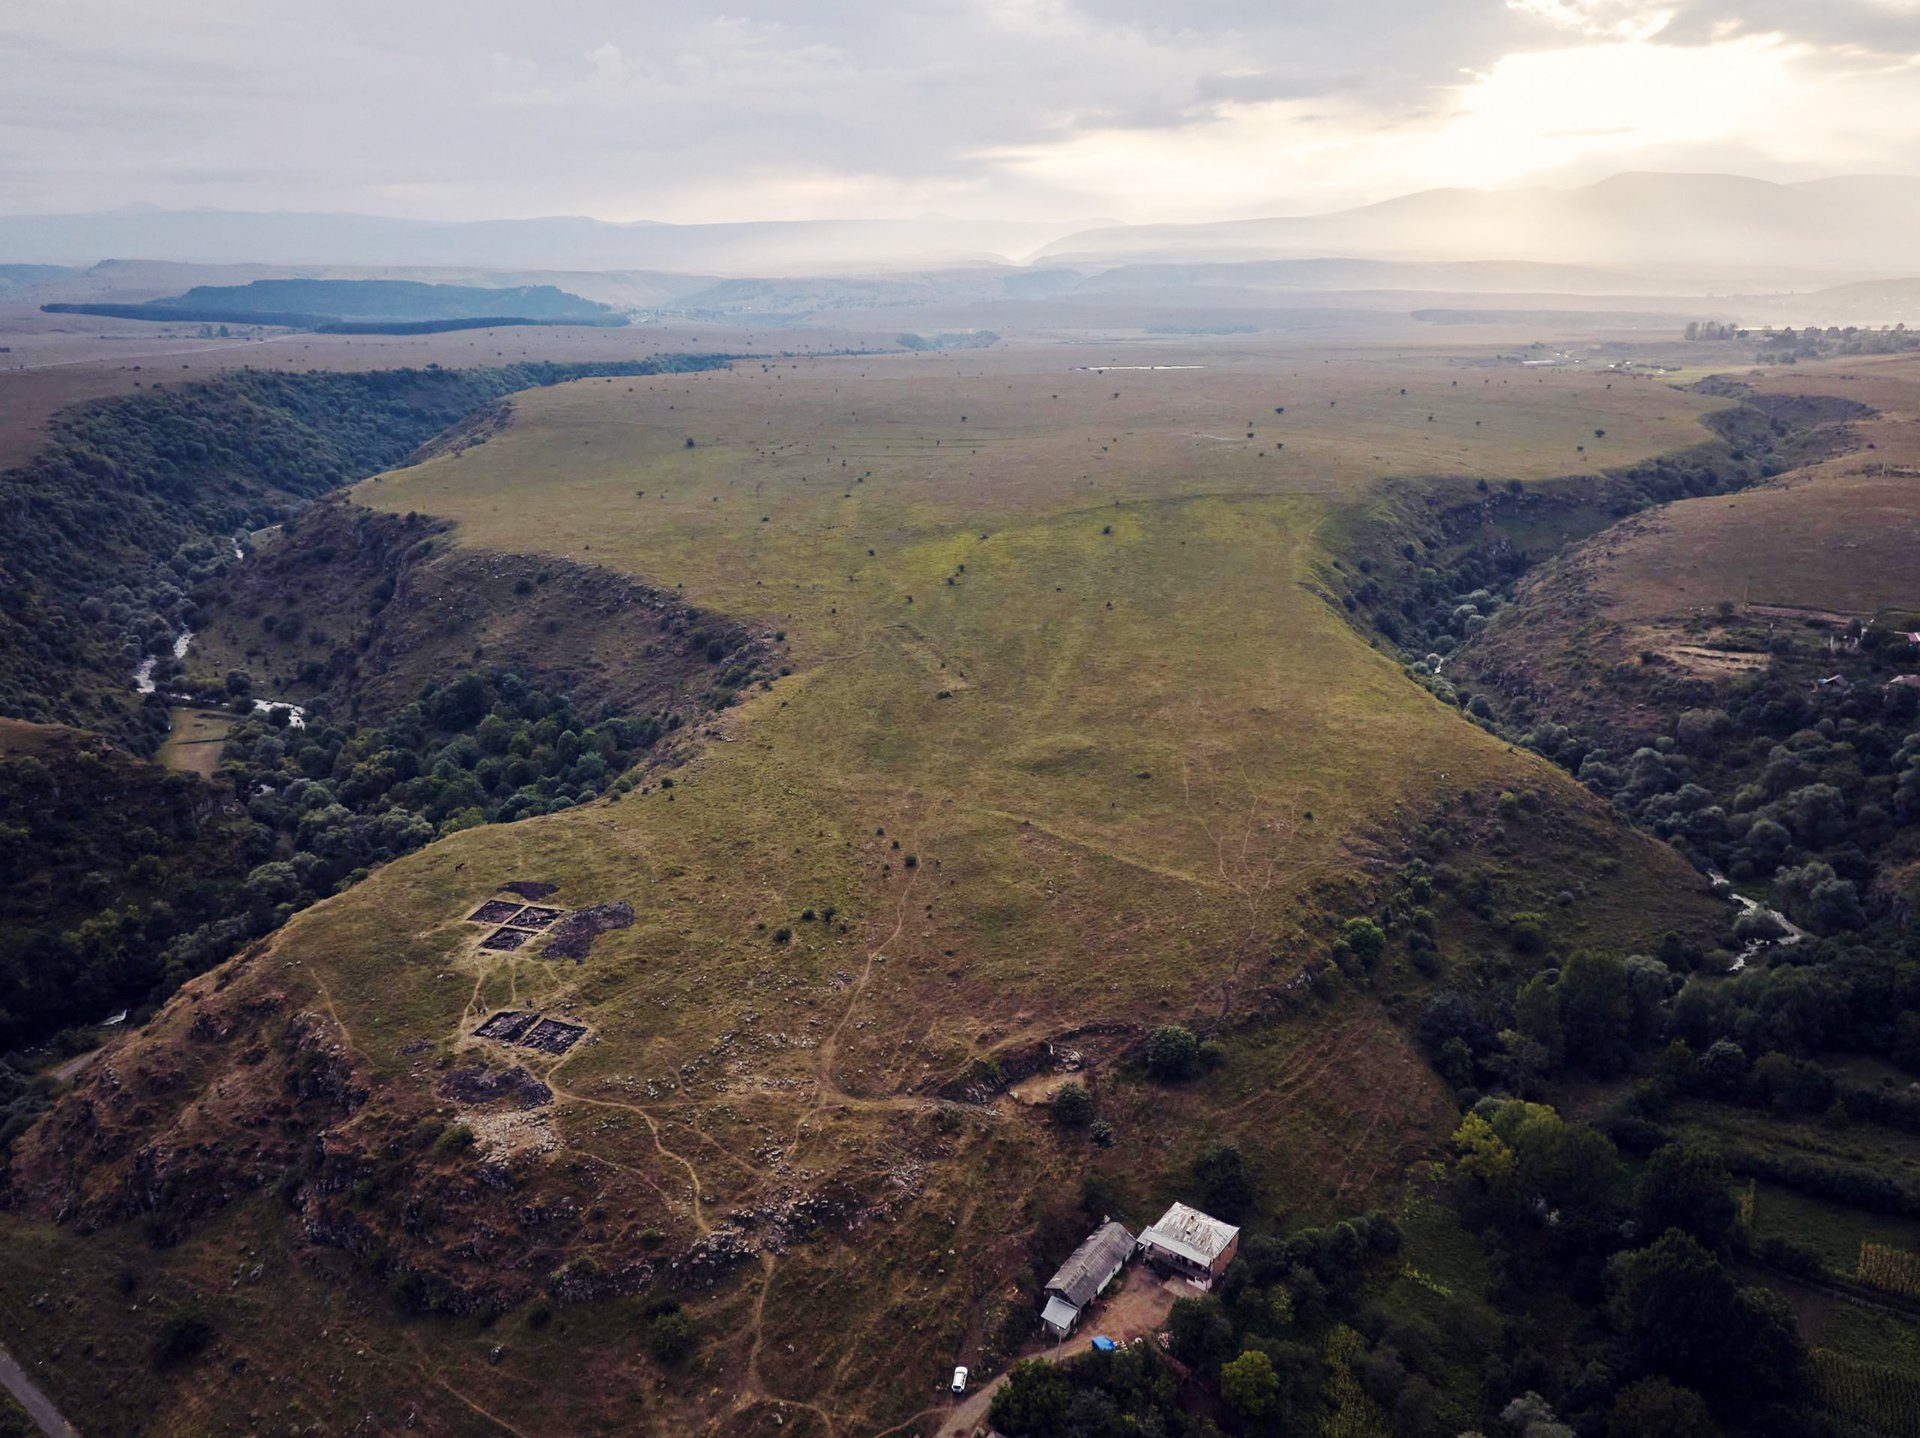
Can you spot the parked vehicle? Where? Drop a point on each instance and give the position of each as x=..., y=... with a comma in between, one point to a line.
x=960, y=1379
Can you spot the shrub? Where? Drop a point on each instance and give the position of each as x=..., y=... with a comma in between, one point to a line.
x=1527, y=932
x=670, y=1335
x=1365, y=938
x=180, y=1339
x=1072, y=1105
x=1172, y=1052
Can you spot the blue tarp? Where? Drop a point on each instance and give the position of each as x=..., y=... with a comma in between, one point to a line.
x=1105, y=1345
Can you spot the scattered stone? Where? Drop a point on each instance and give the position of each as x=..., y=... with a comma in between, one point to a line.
x=476, y=1085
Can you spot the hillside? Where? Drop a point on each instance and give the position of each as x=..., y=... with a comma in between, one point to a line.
x=1074, y=745
x=348, y=306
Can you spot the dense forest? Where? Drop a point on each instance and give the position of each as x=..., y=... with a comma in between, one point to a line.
x=136, y=504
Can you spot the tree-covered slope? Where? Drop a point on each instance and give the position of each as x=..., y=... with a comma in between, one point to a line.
x=135, y=504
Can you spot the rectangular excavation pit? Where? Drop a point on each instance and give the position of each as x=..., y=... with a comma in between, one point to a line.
x=494, y=911
x=507, y=1026
x=507, y=940
x=536, y=916
x=553, y=1036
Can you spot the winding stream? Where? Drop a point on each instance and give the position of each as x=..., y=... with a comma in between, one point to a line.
x=143, y=680
x=1793, y=932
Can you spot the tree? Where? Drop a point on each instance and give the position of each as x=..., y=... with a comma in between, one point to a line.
x=1226, y=1188
x=670, y=1335
x=1199, y=1331
x=1248, y=1384
x=1172, y=1052
x=1365, y=938
x=180, y=1339
x=1656, y=1406
x=1595, y=1012
x=1032, y=1402
x=1722, y=1070
x=1485, y=1163
x=1687, y=1188
x=458, y=705
x=1688, y=1320
x=1072, y=1105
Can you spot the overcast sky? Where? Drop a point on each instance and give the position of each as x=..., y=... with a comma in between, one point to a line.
x=1030, y=109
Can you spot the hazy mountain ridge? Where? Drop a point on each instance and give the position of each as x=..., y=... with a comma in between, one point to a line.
x=1669, y=225
x=569, y=242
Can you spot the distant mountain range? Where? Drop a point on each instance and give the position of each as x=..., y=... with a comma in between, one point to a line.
x=1689, y=228
x=1696, y=232
x=775, y=247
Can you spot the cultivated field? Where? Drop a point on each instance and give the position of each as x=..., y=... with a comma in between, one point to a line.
x=1070, y=748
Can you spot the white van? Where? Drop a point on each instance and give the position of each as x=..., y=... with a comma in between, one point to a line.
x=960, y=1379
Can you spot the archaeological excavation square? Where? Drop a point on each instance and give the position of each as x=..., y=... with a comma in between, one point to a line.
x=506, y=940
x=553, y=1036
x=507, y=1026
x=494, y=911
x=536, y=916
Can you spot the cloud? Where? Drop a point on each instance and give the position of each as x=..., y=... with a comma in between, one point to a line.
x=1603, y=19
x=1010, y=108
x=1572, y=112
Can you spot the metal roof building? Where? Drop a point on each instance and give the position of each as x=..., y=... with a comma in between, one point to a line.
x=1191, y=1243
x=1086, y=1272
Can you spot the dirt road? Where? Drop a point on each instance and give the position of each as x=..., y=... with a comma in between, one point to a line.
x=28, y=1395
x=1138, y=1308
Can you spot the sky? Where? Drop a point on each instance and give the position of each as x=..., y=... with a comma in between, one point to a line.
x=1030, y=110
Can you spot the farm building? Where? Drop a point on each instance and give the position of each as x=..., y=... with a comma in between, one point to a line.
x=1081, y=1278
x=1188, y=1242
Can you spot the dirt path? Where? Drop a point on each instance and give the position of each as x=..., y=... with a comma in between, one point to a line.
x=27, y=1394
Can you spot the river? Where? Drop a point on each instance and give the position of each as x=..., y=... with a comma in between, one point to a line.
x=143, y=681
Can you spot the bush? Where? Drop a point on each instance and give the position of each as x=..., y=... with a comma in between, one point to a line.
x=1527, y=932
x=670, y=1335
x=1365, y=938
x=1172, y=1052
x=180, y=1339
x=1226, y=1188
x=1072, y=1105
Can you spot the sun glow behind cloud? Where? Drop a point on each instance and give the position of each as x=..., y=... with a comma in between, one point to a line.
x=1005, y=109
x=1571, y=111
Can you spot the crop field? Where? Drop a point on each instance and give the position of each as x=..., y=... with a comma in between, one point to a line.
x=1070, y=748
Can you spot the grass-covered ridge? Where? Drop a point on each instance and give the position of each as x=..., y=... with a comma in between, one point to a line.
x=1072, y=749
